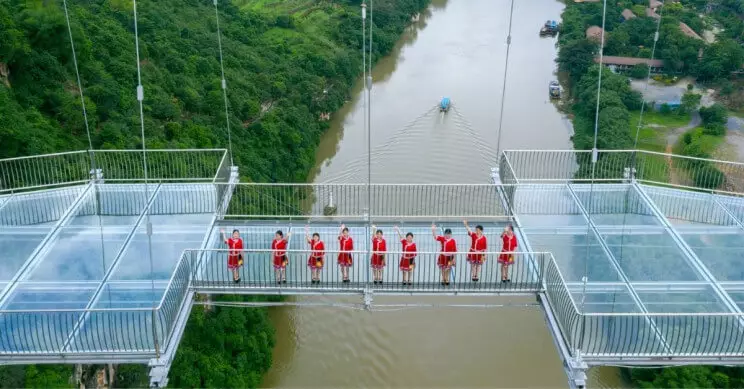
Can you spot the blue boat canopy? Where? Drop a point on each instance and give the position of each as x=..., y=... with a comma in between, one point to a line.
x=444, y=104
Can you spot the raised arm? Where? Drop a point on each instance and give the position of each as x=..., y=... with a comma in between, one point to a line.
x=307, y=234
x=374, y=229
x=467, y=227
x=397, y=231
x=341, y=230
x=224, y=239
x=434, y=231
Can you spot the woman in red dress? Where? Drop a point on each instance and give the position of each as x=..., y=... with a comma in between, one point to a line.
x=506, y=258
x=317, y=254
x=447, y=257
x=477, y=255
x=408, y=259
x=346, y=245
x=279, y=251
x=379, y=247
x=234, y=253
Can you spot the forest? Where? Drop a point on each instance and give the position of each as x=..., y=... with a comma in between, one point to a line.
x=286, y=63
x=619, y=108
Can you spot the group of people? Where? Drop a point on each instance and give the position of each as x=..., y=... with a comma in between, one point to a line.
x=445, y=261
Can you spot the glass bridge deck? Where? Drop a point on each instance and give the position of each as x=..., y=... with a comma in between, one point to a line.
x=634, y=270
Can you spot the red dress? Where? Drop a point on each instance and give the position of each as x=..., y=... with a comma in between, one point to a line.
x=235, y=247
x=280, y=253
x=345, y=244
x=447, y=257
x=379, y=247
x=317, y=256
x=409, y=254
x=507, y=249
x=477, y=248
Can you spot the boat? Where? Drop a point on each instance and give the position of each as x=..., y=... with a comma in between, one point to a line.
x=554, y=90
x=444, y=105
x=550, y=28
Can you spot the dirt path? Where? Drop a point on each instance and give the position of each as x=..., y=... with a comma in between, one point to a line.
x=673, y=135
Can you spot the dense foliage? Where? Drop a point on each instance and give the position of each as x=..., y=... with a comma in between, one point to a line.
x=224, y=347
x=285, y=64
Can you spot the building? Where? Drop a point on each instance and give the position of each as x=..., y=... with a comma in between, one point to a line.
x=689, y=31
x=594, y=33
x=619, y=64
x=628, y=14
x=651, y=13
x=655, y=4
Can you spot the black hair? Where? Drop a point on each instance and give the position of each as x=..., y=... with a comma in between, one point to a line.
x=316, y=234
x=510, y=226
x=280, y=233
x=346, y=229
x=447, y=231
x=479, y=227
x=234, y=231
x=409, y=234
x=379, y=232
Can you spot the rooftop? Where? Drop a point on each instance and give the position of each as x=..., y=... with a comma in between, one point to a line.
x=629, y=61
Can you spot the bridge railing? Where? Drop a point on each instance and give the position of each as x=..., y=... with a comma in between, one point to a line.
x=621, y=165
x=349, y=202
x=42, y=171
x=259, y=272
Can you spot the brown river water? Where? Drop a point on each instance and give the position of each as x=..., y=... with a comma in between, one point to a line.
x=457, y=49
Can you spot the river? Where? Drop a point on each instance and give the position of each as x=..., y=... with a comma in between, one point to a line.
x=456, y=49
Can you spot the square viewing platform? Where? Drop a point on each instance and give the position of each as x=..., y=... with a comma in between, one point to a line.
x=77, y=231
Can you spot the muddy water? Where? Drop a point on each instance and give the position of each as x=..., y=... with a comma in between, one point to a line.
x=455, y=49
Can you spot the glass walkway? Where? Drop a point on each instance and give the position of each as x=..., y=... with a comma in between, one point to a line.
x=641, y=265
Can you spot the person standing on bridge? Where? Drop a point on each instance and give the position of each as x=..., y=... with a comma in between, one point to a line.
x=234, y=253
x=279, y=251
x=379, y=247
x=317, y=254
x=506, y=258
x=477, y=255
x=346, y=245
x=447, y=256
x=408, y=259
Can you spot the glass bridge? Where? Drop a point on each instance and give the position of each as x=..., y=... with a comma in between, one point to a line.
x=641, y=265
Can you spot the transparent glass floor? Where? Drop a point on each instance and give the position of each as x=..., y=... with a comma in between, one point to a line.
x=625, y=252
x=649, y=257
x=87, y=247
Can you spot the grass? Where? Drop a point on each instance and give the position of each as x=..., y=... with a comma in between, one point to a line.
x=655, y=127
x=709, y=144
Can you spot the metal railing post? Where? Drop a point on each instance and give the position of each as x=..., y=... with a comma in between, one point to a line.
x=155, y=333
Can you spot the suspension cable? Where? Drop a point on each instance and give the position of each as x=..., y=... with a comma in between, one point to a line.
x=645, y=87
x=503, y=88
x=80, y=85
x=595, y=156
x=141, y=98
x=223, y=82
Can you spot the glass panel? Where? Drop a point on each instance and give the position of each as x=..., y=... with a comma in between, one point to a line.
x=574, y=258
x=649, y=256
x=546, y=206
x=721, y=253
x=614, y=205
x=617, y=301
x=682, y=301
x=171, y=235
x=685, y=207
x=87, y=245
x=737, y=296
x=129, y=295
x=26, y=220
x=41, y=331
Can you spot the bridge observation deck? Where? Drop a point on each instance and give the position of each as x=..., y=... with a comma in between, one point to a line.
x=640, y=266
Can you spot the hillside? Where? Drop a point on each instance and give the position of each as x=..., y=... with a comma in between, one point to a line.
x=286, y=63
